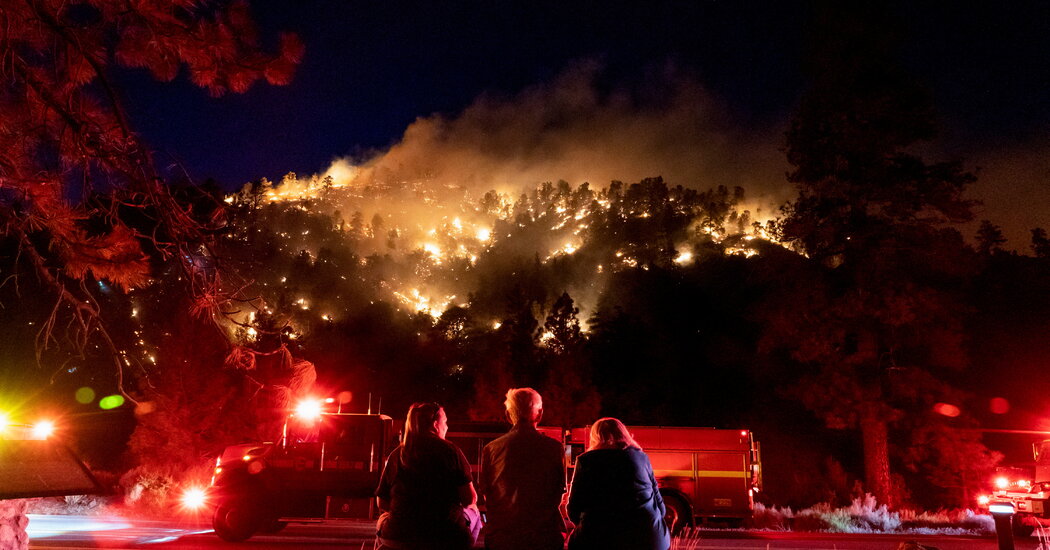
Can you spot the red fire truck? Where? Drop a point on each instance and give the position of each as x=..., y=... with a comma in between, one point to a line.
x=704, y=474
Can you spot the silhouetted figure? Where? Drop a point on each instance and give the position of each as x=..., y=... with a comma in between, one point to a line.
x=522, y=480
x=614, y=500
x=426, y=489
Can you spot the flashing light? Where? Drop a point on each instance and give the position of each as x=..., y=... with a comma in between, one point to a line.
x=309, y=409
x=1001, y=508
x=1002, y=482
x=983, y=500
x=193, y=498
x=43, y=429
x=1024, y=483
x=4, y=421
x=743, y=433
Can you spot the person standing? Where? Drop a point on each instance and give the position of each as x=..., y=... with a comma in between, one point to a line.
x=522, y=481
x=426, y=490
x=614, y=499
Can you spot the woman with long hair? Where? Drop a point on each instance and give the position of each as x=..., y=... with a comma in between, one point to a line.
x=426, y=490
x=614, y=500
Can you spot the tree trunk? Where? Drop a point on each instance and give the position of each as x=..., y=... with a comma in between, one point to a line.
x=13, y=523
x=876, y=457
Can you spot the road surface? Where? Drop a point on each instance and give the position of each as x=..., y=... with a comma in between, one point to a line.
x=72, y=532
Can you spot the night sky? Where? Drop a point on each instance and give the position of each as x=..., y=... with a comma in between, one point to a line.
x=372, y=68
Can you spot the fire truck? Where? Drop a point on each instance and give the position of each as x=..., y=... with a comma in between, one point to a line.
x=326, y=465
x=704, y=474
x=1028, y=494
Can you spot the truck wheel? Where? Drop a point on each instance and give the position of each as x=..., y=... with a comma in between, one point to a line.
x=677, y=515
x=235, y=521
x=1021, y=527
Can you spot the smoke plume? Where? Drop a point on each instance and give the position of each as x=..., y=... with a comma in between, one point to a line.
x=569, y=129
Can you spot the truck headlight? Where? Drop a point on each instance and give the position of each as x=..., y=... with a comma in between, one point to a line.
x=1001, y=508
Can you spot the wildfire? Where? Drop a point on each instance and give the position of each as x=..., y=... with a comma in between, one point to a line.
x=424, y=304
x=421, y=243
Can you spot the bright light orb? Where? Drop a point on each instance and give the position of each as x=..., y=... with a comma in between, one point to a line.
x=43, y=429
x=85, y=395
x=999, y=405
x=1002, y=482
x=309, y=409
x=193, y=498
x=951, y=411
x=111, y=402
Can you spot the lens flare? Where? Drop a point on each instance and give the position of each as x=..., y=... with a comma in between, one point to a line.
x=43, y=429
x=308, y=409
x=85, y=395
x=193, y=498
x=111, y=402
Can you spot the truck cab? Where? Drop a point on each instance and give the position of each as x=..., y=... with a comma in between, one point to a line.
x=326, y=465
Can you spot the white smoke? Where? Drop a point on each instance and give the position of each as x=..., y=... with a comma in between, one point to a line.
x=569, y=130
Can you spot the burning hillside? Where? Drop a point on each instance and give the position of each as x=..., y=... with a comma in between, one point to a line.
x=430, y=247
x=458, y=207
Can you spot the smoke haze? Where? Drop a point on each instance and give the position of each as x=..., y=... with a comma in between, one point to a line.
x=570, y=130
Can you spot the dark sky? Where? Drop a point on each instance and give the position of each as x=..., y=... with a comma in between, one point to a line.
x=373, y=67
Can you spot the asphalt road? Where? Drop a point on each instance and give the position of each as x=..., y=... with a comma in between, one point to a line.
x=65, y=532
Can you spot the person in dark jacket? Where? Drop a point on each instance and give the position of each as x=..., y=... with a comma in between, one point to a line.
x=426, y=490
x=522, y=481
x=614, y=500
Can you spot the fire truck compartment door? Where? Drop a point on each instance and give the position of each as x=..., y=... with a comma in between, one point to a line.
x=722, y=484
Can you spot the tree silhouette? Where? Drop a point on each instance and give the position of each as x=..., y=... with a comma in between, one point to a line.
x=871, y=214
x=1040, y=243
x=990, y=238
x=570, y=398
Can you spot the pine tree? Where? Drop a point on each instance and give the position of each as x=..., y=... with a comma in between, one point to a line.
x=66, y=134
x=872, y=214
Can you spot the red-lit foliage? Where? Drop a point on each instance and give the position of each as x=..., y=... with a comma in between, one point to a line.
x=79, y=193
